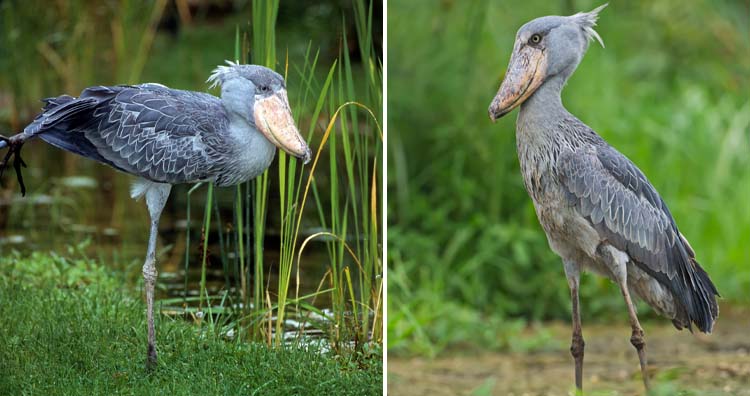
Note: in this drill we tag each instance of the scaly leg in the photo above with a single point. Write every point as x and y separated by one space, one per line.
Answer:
618 262
156 198
149 279
637 336
573 273
14 144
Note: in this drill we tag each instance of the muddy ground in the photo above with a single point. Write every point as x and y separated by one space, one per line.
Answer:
679 363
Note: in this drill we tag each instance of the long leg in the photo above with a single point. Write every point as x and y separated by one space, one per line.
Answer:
156 198
573 273
637 336
618 262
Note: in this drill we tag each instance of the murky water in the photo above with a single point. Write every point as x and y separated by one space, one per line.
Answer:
717 364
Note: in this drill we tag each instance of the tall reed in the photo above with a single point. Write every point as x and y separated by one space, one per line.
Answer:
356 299
354 211
344 182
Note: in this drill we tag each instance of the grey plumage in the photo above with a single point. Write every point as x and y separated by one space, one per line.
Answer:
170 136
599 211
160 134
166 136
261 77
621 204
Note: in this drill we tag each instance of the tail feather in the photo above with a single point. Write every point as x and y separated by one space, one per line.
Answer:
693 291
708 293
698 293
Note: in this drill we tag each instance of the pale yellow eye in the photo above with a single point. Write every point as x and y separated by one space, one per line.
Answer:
535 39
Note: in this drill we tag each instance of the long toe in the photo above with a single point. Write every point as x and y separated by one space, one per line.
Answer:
4 163
17 164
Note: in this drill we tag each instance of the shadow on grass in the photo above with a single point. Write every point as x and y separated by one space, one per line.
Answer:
69 327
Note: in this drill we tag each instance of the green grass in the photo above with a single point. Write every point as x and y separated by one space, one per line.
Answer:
467 258
71 328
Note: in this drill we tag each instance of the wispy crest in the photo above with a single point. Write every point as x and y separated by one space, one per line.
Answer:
587 21
222 73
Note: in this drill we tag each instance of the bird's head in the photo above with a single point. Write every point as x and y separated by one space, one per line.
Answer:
545 47
258 95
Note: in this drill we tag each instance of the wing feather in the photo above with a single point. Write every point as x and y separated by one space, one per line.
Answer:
161 134
622 205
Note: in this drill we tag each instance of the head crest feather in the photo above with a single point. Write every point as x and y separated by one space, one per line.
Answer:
587 21
223 73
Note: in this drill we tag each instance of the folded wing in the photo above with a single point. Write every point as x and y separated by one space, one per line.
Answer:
614 195
160 134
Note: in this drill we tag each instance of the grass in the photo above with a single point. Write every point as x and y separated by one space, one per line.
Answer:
467 258
71 328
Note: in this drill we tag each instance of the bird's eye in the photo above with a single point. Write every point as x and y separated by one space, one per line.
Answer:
535 39
264 88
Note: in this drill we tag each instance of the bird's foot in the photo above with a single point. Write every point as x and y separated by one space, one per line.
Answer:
14 151
151 359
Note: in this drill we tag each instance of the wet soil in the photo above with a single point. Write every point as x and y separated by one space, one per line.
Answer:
679 363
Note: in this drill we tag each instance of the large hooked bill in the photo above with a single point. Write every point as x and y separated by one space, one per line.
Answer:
526 72
274 119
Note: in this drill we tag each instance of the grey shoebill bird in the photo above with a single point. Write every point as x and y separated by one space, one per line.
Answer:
599 211
166 136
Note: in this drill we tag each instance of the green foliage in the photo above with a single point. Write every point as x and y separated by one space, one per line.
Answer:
55 271
463 235
354 142
71 328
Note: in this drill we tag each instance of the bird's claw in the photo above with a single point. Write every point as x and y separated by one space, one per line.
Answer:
14 151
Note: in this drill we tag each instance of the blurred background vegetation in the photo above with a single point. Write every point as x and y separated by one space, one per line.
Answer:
468 261
331 54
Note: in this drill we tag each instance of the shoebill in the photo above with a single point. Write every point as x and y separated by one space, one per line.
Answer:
166 136
599 211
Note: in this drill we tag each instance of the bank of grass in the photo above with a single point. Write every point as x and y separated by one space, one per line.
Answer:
70 327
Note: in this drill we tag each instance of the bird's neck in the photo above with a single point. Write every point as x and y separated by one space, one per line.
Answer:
252 152
538 133
545 104
235 118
